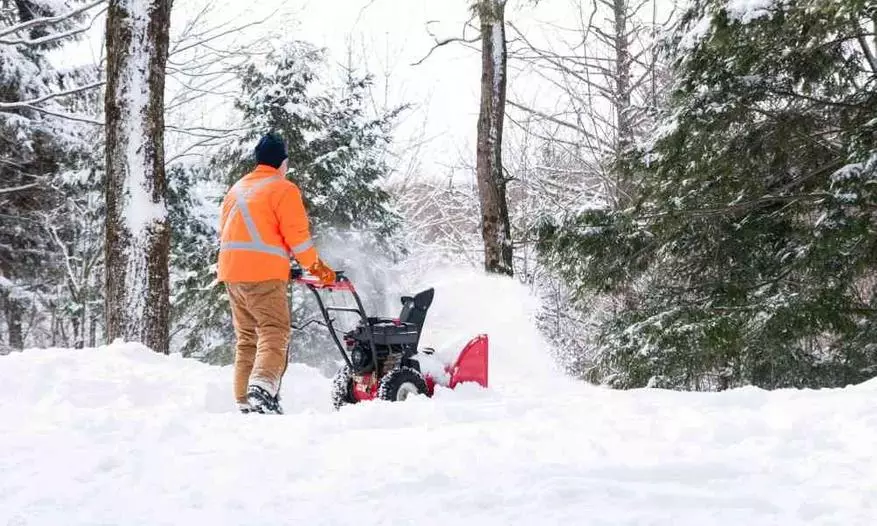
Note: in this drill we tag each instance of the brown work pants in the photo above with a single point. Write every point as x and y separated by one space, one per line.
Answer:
261 322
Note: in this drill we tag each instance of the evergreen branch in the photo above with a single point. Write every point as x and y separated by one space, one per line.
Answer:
745 206
826 102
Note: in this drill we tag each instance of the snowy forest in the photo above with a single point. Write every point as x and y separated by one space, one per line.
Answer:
689 188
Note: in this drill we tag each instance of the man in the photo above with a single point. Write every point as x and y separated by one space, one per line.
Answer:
263 223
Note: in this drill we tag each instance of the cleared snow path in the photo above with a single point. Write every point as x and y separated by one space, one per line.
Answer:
120 435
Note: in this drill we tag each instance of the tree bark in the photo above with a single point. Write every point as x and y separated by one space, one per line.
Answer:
624 138
14 315
137 230
495 225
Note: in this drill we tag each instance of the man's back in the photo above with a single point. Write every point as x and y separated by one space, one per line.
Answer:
263 223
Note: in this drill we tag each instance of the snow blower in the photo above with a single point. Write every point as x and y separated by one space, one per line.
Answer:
381 355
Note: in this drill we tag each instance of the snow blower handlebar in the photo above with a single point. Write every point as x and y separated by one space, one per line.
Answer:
343 284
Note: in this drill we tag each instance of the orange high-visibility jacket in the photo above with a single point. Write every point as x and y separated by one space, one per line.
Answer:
263 223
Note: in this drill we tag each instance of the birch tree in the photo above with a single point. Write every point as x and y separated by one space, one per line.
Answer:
137 234
495 226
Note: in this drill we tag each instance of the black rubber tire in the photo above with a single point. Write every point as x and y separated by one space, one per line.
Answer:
342 388
392 382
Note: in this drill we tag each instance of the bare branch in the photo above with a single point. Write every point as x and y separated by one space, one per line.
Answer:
53 38
442 43
67 116
46 39
17 188
222 34
554 120
36 22
6 106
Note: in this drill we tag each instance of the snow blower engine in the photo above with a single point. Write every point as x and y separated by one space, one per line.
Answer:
381 355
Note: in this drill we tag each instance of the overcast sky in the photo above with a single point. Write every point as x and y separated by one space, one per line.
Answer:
388 36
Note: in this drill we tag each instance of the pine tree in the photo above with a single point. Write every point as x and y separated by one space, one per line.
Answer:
36 145
334 146
751 250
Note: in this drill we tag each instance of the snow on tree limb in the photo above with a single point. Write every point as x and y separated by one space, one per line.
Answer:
48 39
36 22
6 106
17 188
66 116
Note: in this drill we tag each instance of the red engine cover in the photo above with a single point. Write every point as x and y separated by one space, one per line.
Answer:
365 389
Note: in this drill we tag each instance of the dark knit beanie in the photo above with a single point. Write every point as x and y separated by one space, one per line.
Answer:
271 150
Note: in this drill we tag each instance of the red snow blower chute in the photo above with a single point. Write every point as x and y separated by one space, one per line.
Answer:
381 355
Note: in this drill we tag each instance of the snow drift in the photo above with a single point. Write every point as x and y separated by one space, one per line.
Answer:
120 435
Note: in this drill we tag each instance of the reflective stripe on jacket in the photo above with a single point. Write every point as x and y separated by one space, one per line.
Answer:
263 223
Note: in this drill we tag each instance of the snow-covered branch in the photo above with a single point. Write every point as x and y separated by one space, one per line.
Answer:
29 104
48 39
17 188
36 22
67 116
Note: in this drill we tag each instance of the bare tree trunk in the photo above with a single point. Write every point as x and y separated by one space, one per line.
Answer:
14 323
138 238
624 138
53 323
92 331
495 228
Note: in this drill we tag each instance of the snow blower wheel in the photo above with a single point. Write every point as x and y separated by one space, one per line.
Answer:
342 388
399 384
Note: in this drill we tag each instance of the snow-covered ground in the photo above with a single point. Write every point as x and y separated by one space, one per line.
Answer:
120 435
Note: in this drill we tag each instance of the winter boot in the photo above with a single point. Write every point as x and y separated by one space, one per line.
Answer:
261 401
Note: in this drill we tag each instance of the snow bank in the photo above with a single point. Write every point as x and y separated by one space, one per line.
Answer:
129 377
120 435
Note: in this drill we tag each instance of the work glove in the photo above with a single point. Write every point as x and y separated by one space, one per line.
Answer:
322 272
